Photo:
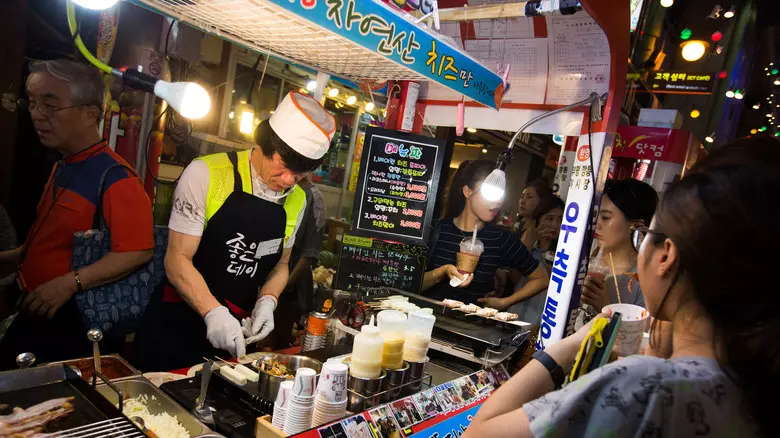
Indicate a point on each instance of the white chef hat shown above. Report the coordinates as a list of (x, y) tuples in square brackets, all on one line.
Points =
[(302, 123)]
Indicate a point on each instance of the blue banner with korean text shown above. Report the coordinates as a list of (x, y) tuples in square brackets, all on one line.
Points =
[(378, 28)]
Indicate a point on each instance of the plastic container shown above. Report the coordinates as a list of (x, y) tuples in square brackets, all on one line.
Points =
[(366, 359), (392, 327), (419, 328)]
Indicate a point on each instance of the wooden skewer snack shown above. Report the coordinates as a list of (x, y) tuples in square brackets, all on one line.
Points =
[(614, 277)]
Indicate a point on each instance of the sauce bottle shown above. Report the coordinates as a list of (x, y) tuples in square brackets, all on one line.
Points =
[(366, 361)]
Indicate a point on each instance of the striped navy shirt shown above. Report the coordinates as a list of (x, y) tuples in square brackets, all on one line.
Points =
[(502, 249)]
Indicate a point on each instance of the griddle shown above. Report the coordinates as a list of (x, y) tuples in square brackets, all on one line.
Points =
[(476, 333), (29, 387)]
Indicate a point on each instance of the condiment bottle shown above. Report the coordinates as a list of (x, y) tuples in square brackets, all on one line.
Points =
[(419, 328), (391, 327), (366, 361)]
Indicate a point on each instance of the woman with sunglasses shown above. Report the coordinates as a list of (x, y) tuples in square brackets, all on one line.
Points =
[(705, 263), (625, 204)]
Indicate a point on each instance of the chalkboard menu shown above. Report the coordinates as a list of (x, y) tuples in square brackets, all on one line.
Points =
[(399, 177), (365, 263)]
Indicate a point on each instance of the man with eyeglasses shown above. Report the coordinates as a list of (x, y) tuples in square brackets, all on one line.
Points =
[(66, 101)]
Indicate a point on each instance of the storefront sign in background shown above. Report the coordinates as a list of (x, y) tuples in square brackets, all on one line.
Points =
[(646, 143), (396, 191), (378, 28), (681, 82)]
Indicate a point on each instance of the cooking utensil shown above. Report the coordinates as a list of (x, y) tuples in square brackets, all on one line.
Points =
[(268, 384), (142, 424), (202, 409), (25, 360), (95, 336)]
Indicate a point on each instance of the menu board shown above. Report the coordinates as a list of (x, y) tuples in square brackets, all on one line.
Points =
[(399, 177), (366, 263)]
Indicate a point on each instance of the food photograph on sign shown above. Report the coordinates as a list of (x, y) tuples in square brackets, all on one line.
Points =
[(357, 427), (406, 412), (427, 403), (382, 423)]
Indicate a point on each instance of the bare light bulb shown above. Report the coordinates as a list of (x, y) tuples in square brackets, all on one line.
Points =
[(494, 186), (369, 106), (693, 50), (311, 85), (351, 100), (333, 92), (96, 5), (667, 3), (187, 98)]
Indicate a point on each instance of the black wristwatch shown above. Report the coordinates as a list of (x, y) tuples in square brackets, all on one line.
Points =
[(555, 370)]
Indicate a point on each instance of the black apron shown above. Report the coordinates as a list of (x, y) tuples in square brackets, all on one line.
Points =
[(240, 246)]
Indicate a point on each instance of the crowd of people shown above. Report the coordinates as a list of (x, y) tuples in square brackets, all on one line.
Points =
[(697, 260)]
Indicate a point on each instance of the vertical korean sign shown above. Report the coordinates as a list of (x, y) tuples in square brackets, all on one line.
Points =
[(571, 262), (397, 185), (380, 29)]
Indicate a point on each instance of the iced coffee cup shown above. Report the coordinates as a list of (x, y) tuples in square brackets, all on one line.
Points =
[(468, 257)]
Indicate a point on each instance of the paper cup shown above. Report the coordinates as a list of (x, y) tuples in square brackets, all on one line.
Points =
[(632, 327), (332, 386), (304, 383), (283, 396)]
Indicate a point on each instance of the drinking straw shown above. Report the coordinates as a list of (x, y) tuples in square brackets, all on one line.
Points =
[(614, 276), (474, 237)]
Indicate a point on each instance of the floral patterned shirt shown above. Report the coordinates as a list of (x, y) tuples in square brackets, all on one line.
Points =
[(648, 397)]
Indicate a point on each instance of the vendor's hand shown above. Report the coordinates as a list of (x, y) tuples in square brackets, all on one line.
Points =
[(47, 298), (594, 292), (494, 302), (452, 272), (261, 324), (224, 331)]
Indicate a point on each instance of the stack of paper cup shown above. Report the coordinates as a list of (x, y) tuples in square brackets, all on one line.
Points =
[(280, 407), (301, 404), (331, 401)]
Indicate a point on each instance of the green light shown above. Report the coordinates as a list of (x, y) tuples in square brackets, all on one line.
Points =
[(686, 33), (774, 71), (777, 134), (763, 128)]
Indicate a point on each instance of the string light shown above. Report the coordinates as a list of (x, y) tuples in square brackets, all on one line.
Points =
[(753, 131), (693, 50), (730, 13), (717, 36), (685, 34), (471, 130), (710, 138), (738, 95), (730, 94), (756, 105), (667, 3), (723, 74), (695, 113)]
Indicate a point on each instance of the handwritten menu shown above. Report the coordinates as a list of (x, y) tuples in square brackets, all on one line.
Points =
[(366, 263), (399, 177), (579, 59)]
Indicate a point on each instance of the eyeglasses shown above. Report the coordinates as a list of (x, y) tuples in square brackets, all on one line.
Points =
[(45, 109), (638, 235)]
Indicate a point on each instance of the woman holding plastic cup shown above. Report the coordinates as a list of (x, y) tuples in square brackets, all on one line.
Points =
[(462, 261), (625, 204), (705, 263)]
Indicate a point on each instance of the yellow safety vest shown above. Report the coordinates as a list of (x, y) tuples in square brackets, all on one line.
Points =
[(221, 186)]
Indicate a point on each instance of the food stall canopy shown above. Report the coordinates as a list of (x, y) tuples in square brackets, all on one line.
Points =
[(359, 40)]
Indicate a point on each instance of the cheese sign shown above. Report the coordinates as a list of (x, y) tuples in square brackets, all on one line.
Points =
[(381, 29)]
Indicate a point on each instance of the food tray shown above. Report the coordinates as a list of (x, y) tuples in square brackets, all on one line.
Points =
[(158, 402), (113, 367)]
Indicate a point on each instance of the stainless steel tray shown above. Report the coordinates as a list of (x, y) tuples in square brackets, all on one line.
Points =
[(88, 363), (158, 402)]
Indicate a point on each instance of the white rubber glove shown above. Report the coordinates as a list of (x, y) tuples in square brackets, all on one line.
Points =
[(224, 331), (261, 323)]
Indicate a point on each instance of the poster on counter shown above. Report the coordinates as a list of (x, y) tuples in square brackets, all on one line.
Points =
[(397, 185), (427, 404), (383, 423)]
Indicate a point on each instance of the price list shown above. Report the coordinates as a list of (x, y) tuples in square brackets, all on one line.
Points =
[(366, 263), (397, 186)]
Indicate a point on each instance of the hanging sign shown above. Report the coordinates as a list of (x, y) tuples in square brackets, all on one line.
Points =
[(378, 28), (674, 82), (397, 185), (366, 263), (648, 143)]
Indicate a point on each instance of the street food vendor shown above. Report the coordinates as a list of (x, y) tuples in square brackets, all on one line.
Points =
[(466, 209), (232, 228)]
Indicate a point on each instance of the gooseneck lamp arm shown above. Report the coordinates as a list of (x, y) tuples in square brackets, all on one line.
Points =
[(187, 98), (494, 186)]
